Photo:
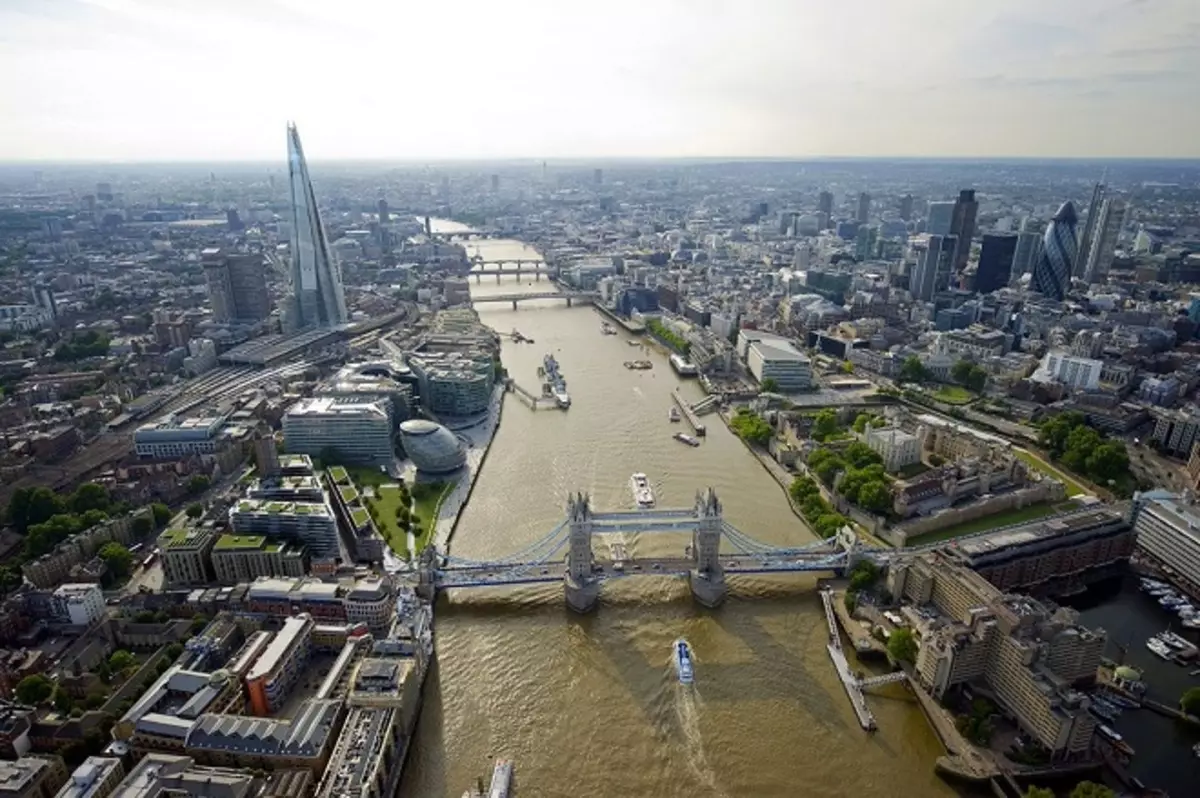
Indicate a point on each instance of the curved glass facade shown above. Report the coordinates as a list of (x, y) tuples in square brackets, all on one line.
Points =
[(1052, 274), (432, 448)]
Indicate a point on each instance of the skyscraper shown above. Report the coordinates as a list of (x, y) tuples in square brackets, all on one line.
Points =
[(1104, 239), (906, 207), (382, 207), (1079, 267), (864, 207), (1029, 249), (995, 261), (237, 285), (935, 261), (825, 205), (965, 209), (940, 218), (1052, 274), (316, 293)]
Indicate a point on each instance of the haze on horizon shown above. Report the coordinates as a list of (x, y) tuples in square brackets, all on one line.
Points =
[(180, 80)]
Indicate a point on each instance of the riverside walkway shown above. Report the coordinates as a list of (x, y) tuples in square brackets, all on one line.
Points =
[(851, 683)]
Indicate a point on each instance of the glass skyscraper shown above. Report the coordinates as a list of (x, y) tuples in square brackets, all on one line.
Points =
[(1052, 273), (317, 299)]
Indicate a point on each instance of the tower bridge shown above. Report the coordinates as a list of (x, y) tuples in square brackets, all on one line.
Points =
[(567, 554)]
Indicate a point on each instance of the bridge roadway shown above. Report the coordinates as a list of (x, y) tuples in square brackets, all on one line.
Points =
[(570, 296)]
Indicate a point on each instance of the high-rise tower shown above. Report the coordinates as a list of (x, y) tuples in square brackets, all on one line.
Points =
[(995, 261), (1079, 267), (966, 207), (1052, 274), (316, 298), (1104, 240), (864, 208)]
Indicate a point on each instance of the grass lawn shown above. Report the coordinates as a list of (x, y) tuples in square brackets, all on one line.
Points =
[(1033, 461), (364, 475), (1030, 513), (385, 502), (953, 395)]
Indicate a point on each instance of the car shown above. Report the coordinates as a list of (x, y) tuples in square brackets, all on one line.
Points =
[(637, 567), (545, 571), (657, 566)]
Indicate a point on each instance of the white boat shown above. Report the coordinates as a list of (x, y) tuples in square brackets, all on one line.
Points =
[(501, 779), (562, 397), (643, 494), (1191, 623), (1196, 749), (674, 414), (1159, 648), (683, 437), (683, 662)]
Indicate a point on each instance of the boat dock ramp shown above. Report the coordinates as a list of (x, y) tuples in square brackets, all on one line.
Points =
[(688, 413)]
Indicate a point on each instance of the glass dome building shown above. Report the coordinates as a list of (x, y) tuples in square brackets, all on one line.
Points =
[(432, 448)]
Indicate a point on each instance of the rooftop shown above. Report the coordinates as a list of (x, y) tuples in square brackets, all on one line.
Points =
[(285, 640), (228, 542), (183, 538)]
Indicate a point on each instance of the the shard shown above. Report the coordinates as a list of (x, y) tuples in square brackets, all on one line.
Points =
[(317, 298), (1052, 273)]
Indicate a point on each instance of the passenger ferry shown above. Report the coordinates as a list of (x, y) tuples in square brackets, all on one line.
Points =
[(683, 437), (643, 494), (683, 662)]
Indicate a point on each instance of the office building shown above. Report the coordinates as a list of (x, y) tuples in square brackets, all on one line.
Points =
[(935, 263), (357, 431), (237, 285), (1052, 273), (1079, 267), (825, 206), (778, 360), (317, 298), (897, 447), (996, 259), (966, 207), (1168, 530), (304, 741), (454, 383), (1104, 240), (939, 218), (1078, 373), (864, 208), (173, 438), (906, 207), (79, 604), (370, 601), (272, 676), (1029, 656), (1175, 431), (382, 208), (97, 777), (244, 558), (32, 776), (185, 555), (1029, 250), (160, 775), (432, 448), (309, 524)]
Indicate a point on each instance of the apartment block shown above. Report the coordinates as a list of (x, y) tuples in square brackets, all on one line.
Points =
[(32, 776), (185, 555), (97, 777), (311, 524), (1168, 530), (244, 558), (277, 669), (79, 604)]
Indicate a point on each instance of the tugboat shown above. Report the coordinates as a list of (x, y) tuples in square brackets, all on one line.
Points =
[(683, 662)]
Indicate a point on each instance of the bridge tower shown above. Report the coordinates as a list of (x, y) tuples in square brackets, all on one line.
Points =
[(427, 573), (707, 577), (847, 540), (580, 583)]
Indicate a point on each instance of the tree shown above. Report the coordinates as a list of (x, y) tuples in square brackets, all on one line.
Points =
[(120, 660), (1038, 792), (142, 526), (1190, 701), (912, 370), (875, 496), (1090, 789), (30, 506), (174, 650), (1107, 461), (847, 367), (62, 700), (825, 424), (93, 517), (860, 455), (34, 689), (961, 370), (198, 484), (118, 559), (902, 646), (89, 496), (195, 510), (161, 513), (769, 385), (748, 426), (199, 621)]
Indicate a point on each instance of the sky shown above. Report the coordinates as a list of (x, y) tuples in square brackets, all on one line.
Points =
[(217, 80)]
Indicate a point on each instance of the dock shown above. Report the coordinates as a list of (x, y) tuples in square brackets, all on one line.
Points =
[(534, 401), (688, 413), (849, 681), (635, 327)]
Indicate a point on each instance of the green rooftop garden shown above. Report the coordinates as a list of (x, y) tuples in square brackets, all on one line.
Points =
[(360, 516), (349, 494), (339, 474), (226, 542)]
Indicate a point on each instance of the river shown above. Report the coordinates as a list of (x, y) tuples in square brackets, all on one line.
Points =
[(588, 706)]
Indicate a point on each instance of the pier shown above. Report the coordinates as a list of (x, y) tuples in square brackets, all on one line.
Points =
[(635, 327), (852, 685), (688, 413), (534, 401)]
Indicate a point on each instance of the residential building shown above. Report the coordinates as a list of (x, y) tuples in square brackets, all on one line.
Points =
[(1077, 373), (97, 777), (310, 524), (1175, 431), (185, 555), (32, 776), (454, 383), (1168, 529), (1052, 273), (897, 447), (778, 360), (244, 558), (272, 676), (358, 431), (79, 604), (1029, 656), (996, 259), (174, 438), (280, 598), (317, 298)]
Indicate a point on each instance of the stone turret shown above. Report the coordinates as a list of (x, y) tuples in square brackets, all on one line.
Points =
[(580, 583), (707, 576)]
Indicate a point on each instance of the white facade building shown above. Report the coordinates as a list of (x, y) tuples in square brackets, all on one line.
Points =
[(778, 360), (360, 432), (171, 438), (897, 447), (309, 523), (81, 604), (1078, 373), (1169, 530)]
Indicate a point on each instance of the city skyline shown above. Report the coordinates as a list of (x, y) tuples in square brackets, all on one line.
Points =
[(786, 81)]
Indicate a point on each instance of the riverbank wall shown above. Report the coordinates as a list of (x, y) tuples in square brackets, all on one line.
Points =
[(481, 437)]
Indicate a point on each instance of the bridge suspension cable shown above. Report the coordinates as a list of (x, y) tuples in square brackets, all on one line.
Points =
[(749, 545), (555, 539)]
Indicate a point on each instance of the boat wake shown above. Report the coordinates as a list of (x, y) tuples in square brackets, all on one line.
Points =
[(688, 707)]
